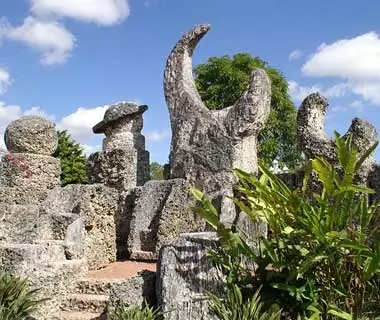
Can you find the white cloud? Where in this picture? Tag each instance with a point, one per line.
(88, 149)
(37, 111)
(79, 123)
(295, 55)
(157, 136)
(5, 80)
(102, 12)
(298, 92)
(356, 60)
(50, 38)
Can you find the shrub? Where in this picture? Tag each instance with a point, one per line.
(16, 300)
(235, 307)
(321, 257)
(125, 312)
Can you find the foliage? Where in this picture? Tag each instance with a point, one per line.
(235, 307)
(73, 160)
(222, 80)
(321, 258)
(16, 300)
(125, 312)
(156, 171)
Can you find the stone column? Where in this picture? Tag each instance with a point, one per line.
(28, 170)
(185, 274)
(124, 163)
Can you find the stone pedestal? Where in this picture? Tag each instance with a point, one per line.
(185, 274)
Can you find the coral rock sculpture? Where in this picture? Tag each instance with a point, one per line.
(207, 144)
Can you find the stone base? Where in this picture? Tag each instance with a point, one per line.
(118, 168)
(161, 212)
(185, 274)
(30, 170)
(97, 205)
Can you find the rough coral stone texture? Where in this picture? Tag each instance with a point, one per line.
(22, 195)
(136, 291)
(119, 169)
(315, 142)
(31, 171)
(117, 112)
(206, 144)
(19, 224)
(161, 212)
(185, 274)
(31, 134)
(97, 205)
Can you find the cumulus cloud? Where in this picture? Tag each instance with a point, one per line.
(50, 38)
(355, 60)
(157, 136)
(88, 149)
(295, 55)
(298, 92)
(5, 80)
(79, 123)
(102, 12)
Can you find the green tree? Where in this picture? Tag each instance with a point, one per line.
(73, 159)
(156, 171)
(222, 80)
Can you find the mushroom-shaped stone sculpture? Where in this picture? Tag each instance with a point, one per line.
(121, 122)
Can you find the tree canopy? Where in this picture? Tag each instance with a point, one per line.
(222, 80)
(156, 171)
(73, 159)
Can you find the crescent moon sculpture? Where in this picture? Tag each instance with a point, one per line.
(206, 145)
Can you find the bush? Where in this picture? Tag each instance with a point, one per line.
(236, 307)
(125, 312)
(16, 300)
(321, 257)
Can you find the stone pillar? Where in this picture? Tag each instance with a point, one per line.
(28, 170)
(124, 163)
(185, 274)
(27, 245)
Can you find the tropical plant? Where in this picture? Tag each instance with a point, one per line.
(222, 80)
(235, 307)
(126, 312)
(17, 301)
(321, 257)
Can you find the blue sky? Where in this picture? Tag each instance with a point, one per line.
(67, 59)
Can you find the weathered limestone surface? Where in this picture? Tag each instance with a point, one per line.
(315, 142)
(184, 274)
(19, 224)
(124, 153)
(206, 144)
(27, 170)
(31, 134)
(33, 243)
(161, 212)
(97, 206)
(135, 291)
(117, 169)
